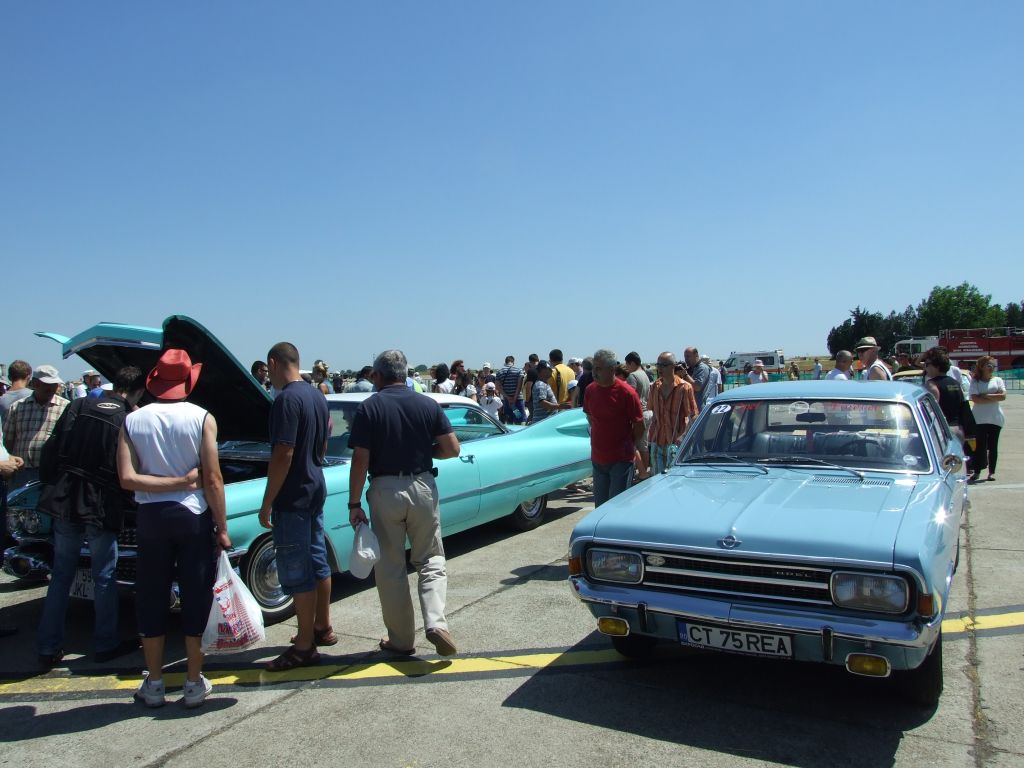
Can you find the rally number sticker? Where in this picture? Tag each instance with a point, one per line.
(723, 408)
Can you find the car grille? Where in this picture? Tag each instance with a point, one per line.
(726, 578)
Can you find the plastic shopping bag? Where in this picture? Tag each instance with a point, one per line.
(365, 552)
(236, 621)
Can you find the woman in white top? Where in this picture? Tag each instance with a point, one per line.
(443, 384)
(758, 375)
(987, 392)
(464, 386)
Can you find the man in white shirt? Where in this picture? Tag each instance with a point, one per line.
(844, 361)
(874, 369)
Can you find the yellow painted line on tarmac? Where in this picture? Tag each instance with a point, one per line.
(56, 683)
(996, 621)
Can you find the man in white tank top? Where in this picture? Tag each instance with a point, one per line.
(874, 369)
(181, 517)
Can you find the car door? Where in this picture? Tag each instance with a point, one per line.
(458, 479)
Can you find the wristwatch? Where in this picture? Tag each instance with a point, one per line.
(355, 505)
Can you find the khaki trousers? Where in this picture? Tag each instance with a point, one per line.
(400, 507)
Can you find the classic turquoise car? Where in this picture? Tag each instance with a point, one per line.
(502, 471)
(811, 521)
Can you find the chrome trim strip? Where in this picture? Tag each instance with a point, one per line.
(662, 547)
(731, 577)
(735, 593)
(728, 560)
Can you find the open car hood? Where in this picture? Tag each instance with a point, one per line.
(225, 387)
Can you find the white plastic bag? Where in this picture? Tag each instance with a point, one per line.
(236, 621)
(365, 552)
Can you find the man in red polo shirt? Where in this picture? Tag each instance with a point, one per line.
(616, 424)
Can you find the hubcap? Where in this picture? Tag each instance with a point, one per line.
(265, 586)
(530, 507)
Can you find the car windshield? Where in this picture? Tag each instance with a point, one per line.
(337, 442)
(858, 434)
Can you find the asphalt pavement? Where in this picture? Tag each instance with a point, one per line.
(533, 683)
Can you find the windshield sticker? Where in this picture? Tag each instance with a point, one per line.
(860, 407)
(910, 460)
(723, 408)
(799, 406)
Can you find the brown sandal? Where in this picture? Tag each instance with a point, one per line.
(293, 658)
(385, 645)
(321, 637)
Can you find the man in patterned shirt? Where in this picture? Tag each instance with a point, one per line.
(672, 406)
(31, 422)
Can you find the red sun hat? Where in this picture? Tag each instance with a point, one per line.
(174, 376)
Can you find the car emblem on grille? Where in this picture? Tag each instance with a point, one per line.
(730, 541)
(655, 560)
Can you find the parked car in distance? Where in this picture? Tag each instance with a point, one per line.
(812, 521)
(503, 471)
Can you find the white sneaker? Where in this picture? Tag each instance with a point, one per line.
(196, 692)
(151, 692)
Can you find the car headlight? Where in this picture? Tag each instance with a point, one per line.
(615, 565)
(868, 592)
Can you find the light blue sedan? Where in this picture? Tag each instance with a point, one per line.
(810, 521)
(502, 472)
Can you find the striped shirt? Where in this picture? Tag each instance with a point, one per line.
(30, 425)
(509, 380)
(670, 413)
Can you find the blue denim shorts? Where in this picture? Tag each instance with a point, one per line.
(300, 549)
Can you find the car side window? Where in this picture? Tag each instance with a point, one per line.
(471, 423)
(936, 424)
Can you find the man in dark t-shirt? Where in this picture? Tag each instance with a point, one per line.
(396, 435)
(293, 504)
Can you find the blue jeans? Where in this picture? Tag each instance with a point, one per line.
(67, 544)
(300, 549)
(610, 480)
(662, 457)
(514, 414)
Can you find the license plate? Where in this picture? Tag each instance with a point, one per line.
(736, 640)
(83, 587)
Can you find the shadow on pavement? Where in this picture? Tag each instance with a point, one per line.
(22, 723)
(523, 574)
(787, 712)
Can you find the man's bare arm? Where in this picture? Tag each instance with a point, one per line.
(132, 480)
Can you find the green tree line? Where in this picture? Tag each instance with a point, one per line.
(961, 306)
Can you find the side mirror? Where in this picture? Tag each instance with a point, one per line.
(951, 463)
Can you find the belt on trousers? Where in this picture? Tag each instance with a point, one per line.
(413, 473)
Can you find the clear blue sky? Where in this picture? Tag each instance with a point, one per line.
(476, 179)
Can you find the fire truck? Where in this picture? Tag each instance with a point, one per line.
(965, 345)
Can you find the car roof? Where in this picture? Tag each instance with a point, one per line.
(872, 390)
(443, 399)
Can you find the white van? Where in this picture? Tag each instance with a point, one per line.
(773, 360)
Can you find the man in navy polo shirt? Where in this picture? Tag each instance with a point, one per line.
(293, 504)
(396, 435)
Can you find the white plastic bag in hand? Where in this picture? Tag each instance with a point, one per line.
(236, 621)
(365, 552)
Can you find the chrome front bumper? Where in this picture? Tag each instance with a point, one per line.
(641, 605)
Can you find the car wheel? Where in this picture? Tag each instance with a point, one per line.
(259, 572)
(923, 686)
(635, 646)
(529, 514)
